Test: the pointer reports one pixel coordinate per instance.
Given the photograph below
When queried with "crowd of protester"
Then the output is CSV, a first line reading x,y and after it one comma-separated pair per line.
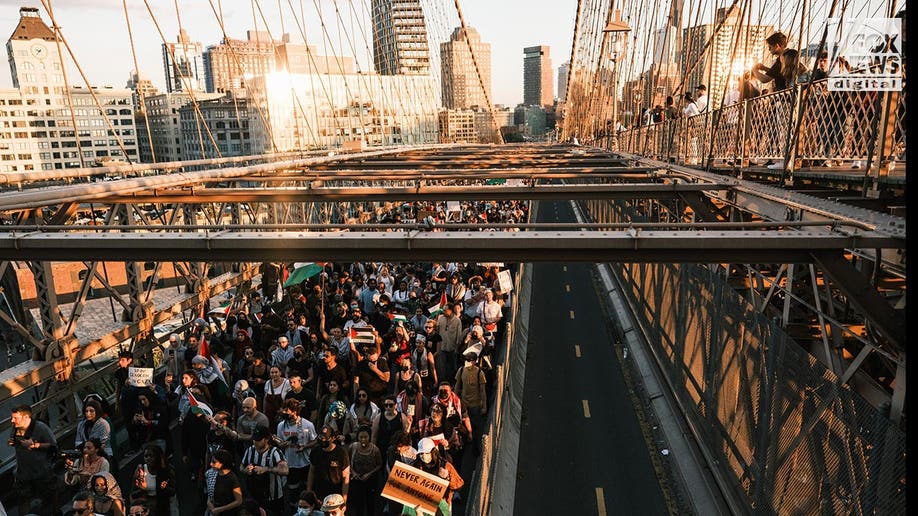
x,y
296,399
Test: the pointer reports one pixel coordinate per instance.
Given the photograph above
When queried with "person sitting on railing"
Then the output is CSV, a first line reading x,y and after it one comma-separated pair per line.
x,y
821,71
777,44
701,98
689,108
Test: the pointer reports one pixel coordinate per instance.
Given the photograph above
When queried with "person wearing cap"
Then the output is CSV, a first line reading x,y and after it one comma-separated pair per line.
x,y
334,505
330,470
282,353
297,437
429,460
265,469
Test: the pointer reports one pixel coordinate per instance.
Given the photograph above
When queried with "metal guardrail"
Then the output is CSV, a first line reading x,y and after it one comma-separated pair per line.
x,y
781,428
837,126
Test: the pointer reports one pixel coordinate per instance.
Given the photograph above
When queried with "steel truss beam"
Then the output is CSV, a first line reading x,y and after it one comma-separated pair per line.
x,y
21,377
586,246
420,193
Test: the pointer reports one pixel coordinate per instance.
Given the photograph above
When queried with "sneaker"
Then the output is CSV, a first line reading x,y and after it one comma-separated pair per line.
x,y
856,164
777,165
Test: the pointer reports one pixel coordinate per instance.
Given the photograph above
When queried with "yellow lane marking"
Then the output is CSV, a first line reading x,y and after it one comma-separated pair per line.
x,y
572,314
600,502
586,409
577,350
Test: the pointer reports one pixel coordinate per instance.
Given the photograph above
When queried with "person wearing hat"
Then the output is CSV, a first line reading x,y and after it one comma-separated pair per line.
x,y
330,470
470,386
265,469
334,505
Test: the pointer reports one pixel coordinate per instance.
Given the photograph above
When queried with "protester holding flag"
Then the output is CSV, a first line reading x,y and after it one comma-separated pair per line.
x,y
211,378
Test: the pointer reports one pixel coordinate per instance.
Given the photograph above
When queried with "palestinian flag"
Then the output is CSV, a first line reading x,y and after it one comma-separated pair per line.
x,y
204,351
223,309
361,335
397,317
437,308
199,407
302,272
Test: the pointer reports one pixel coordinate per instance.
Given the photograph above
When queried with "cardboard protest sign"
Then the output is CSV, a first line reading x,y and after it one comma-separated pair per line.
x,y
414,488
140,376
506,282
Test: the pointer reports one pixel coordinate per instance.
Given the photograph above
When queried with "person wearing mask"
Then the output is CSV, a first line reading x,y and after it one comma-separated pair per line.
x,y
308,504
296,436
282,353
372,374
330,468
413,403
306,397
456,413
431,461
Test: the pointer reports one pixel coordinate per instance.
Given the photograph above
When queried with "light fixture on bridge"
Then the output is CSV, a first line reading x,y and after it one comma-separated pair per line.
x,y
616,24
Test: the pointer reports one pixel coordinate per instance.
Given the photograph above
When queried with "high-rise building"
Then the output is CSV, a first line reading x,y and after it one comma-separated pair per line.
x,y
537,80
400,38
734,49
163,116
298,58
460,84
40,127
228,64
457,126
183,63
563,72
226,119
376,109
488,123
141,87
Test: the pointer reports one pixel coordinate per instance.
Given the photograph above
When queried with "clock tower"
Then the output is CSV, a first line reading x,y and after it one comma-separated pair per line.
x,y
35,63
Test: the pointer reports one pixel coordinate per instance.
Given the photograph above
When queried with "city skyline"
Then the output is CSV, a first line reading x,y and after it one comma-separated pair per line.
x,y
489,19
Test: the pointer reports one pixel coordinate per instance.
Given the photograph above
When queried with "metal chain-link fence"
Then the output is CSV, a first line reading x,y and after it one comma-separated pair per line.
x,y
793,439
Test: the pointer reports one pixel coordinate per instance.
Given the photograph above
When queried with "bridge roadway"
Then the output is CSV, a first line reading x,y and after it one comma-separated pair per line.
x,y
582,450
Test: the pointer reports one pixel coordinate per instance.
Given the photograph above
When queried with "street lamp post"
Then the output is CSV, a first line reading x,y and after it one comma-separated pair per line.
x,y
615,27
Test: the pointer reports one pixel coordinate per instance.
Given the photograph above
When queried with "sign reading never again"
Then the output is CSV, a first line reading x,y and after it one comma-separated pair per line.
x,y
414,488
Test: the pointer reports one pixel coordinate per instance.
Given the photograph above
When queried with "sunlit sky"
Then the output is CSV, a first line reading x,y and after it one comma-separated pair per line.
x,y
97,32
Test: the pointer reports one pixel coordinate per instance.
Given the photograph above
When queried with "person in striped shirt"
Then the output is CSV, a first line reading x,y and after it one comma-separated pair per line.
x,y
265,470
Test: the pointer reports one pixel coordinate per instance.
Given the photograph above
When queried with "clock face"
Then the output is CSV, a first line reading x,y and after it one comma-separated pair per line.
x,y
39,51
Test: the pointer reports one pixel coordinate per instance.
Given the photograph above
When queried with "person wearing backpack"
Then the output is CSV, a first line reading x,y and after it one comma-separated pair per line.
x,y
470,386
